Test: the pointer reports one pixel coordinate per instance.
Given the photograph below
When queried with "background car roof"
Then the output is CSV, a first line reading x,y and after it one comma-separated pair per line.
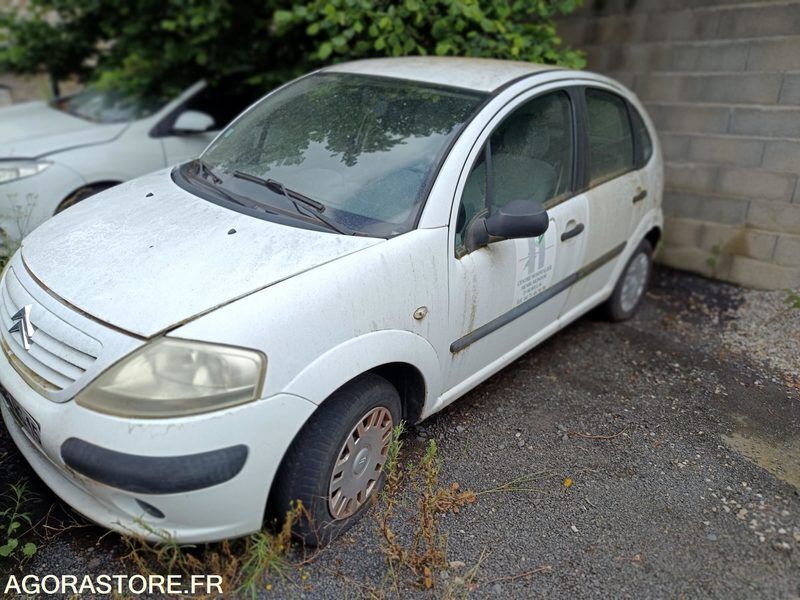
x,y
483,74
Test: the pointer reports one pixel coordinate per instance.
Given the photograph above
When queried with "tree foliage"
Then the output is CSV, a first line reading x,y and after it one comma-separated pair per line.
x,y
147,46
158,46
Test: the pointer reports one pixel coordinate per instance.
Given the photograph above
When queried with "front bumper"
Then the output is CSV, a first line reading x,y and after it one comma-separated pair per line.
x,y
232,508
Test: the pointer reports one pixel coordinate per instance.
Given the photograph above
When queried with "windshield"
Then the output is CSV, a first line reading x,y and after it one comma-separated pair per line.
x,y
364,147
110,106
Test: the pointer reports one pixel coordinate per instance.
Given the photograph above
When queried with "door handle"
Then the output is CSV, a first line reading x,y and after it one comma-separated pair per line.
x,y
577,230
640,196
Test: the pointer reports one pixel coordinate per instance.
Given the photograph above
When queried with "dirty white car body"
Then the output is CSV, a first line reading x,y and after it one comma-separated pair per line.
x,y
49,157
149,261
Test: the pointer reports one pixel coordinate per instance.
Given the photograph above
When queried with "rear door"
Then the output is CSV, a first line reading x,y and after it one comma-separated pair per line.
x,y
614,187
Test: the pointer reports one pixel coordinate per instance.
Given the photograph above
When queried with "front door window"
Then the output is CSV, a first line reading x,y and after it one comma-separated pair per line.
x,y
529,157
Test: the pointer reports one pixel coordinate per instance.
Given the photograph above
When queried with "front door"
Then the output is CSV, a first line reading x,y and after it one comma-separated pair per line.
x,y
505,294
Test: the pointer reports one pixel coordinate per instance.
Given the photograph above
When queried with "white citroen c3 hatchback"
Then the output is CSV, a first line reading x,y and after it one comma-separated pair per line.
x,y
199,347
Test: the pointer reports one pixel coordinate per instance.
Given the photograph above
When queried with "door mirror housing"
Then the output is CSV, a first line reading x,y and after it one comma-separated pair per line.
x,y
517,219
193,121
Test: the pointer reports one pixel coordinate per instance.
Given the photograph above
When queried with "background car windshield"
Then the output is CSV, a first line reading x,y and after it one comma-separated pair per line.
x,y
110,106
364,146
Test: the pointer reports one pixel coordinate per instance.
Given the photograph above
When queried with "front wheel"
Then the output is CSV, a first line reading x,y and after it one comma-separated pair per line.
x,y
632,284
335,464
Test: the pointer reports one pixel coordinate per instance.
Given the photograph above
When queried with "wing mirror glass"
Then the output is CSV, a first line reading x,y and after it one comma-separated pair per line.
x,y
193,121
517,219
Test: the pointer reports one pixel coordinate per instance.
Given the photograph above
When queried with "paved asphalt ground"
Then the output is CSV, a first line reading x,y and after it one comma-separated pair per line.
x,y
684,460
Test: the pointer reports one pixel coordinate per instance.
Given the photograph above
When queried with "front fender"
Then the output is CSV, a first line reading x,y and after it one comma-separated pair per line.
x,y
340,364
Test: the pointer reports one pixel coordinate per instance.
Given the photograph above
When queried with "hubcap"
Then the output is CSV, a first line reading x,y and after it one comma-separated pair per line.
x,y
634,282
359,464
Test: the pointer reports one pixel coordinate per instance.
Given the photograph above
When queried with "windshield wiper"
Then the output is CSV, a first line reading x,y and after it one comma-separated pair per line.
x,y
277,186
217,188
205,168
296,198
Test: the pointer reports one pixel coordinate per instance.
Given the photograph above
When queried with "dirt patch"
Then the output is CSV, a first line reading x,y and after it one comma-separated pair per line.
x,y
780,455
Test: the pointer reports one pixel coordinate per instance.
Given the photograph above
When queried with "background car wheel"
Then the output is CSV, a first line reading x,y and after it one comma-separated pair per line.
x,y
632,284
335,464
82,194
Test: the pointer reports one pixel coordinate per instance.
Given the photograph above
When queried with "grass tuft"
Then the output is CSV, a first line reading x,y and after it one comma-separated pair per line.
x,y
15,522
792,299
423,551
246,565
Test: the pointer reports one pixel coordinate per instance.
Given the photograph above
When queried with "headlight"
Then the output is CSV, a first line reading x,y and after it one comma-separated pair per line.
x,y
171,378
17,169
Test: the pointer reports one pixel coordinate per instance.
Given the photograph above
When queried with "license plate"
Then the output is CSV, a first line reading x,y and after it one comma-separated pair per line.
x,y
24,419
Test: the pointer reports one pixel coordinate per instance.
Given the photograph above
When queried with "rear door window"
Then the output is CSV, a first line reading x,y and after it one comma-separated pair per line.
x,y
611,148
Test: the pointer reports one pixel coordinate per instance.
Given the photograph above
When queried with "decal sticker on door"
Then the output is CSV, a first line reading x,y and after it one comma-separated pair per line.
x,y
536,259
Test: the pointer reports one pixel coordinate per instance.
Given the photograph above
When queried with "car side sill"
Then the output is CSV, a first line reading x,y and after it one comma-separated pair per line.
x,y
458,390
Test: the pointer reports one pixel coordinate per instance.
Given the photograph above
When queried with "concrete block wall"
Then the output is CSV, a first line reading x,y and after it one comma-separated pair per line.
x,y
18,88
721,80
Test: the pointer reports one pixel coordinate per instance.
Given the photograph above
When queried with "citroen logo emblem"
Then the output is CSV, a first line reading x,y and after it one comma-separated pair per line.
x,y
23,326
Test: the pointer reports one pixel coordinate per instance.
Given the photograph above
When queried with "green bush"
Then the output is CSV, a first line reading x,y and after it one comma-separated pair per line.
x,y
520,30
151,46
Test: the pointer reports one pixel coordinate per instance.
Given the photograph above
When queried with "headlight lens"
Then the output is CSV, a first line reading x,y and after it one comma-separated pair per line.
x,y
17,169
172,378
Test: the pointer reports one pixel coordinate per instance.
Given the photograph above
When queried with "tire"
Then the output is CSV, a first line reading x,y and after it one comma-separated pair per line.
x,y
624,302
306,473
82,194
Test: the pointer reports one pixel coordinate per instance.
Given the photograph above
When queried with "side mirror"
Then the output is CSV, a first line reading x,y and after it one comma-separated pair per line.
x,y
517,219
193,121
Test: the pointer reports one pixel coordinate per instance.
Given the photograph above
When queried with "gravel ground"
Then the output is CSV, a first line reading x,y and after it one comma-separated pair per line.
x,y
767,328
679,432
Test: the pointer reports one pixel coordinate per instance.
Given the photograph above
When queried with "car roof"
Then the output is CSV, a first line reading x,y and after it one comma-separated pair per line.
x,y
482,74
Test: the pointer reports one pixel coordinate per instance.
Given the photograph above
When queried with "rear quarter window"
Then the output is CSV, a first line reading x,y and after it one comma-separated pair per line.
x,y
644,143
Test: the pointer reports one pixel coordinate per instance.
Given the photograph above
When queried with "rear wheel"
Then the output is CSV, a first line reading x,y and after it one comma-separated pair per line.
x,y
632,284
335,465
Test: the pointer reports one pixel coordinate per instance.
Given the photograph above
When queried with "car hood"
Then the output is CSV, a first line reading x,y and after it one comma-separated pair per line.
x,y
35,129
146,255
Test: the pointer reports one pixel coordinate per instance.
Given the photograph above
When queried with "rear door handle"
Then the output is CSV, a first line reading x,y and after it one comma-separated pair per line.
x,y
577,230
640,196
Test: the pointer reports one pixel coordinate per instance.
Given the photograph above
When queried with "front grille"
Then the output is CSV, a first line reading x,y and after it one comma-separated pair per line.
x,y
59,353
